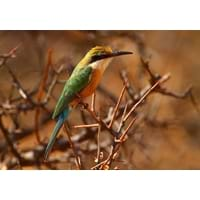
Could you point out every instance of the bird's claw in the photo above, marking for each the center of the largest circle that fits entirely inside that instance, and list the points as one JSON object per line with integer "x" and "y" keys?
{"x": 85, "y": 105}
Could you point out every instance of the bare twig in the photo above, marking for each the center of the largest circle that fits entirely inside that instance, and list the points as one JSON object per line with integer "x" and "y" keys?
{"x": 98, "y": 145}
{"x": 41, "y": 92}
{"x": 86, "y": 126}
{"x": 93, "y": 102}
{"x": 78, "y": 161}
{"x": 97, "y": 119}
{"x": 117, "y": 106}
{"x": 129, "y": 88}
{"x": 11, "y": 54}
{"x": 10, "y": 143}
{"x": 122, "y": 119}
{"x": 161, "y": 80}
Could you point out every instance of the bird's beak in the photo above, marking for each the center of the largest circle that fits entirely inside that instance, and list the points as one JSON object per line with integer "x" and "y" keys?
{"x": 113, "y": 54}
{"x": 120, "y": 53}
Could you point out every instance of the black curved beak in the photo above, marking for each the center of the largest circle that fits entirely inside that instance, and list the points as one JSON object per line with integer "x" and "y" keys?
{"x": 110, "y": 55}
{"x": 120, "y": 53}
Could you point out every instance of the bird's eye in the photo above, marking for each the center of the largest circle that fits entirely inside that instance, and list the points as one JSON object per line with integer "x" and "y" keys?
{"x": 94, "y": 58}
{"x": 98, "y": 56}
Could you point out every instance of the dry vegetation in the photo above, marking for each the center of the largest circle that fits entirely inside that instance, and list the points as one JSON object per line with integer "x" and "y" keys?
{"x": 144, "y": 115}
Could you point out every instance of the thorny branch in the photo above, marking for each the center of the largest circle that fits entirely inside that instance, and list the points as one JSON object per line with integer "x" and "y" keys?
{"x": 120, "y": 122}
{"x": 11, "y": 54}
{"x": 40, "y": 93}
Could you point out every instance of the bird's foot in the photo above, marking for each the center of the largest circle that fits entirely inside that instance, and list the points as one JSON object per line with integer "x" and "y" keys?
{"x": 83, "y": 104}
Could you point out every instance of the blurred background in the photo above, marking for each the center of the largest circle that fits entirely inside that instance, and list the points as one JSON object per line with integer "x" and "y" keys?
{"x": 171, "y": 140}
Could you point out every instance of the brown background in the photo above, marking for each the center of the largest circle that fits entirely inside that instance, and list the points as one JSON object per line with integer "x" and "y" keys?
{"x": 175, "y": 146}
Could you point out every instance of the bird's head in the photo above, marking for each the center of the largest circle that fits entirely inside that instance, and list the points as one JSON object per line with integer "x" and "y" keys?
{"x": 101, "y": 56}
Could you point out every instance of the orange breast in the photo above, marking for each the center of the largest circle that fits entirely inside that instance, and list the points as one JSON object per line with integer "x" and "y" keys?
{"x": 91, "y": 87}
{"x": 94, "y": 82}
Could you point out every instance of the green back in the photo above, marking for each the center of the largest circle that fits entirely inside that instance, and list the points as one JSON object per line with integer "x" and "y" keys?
{"x": 77, "y": 81}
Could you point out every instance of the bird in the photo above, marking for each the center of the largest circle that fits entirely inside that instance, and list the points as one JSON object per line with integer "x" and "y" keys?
{"x": 82, "y": 83}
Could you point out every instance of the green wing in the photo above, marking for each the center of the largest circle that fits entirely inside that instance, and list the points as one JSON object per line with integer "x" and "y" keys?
{"x": 77, "y": 81}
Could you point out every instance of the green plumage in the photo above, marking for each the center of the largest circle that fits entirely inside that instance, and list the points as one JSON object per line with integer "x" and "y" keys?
{"x": 77, "y": 81}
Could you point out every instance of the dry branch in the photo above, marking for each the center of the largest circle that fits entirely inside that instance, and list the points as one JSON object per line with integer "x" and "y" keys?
{"x": 41, "y": 91}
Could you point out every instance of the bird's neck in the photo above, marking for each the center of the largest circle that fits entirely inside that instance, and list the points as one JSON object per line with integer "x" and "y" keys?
{"x": 101, "y": 64}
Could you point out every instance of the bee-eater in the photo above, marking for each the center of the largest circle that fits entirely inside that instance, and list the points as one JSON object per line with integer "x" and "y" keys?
{"x": 82, "y": 83}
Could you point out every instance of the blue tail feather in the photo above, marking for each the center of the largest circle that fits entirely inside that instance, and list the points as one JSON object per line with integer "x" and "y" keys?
{"x": 61, "y": 119}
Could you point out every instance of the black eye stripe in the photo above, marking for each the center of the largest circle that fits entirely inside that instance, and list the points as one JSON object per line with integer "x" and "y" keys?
{"x": 94, "y": 58}
{"x": 98, "y": 57}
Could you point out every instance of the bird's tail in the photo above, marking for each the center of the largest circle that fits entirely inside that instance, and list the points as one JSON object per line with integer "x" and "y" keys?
{"x": 61, "y": 119}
